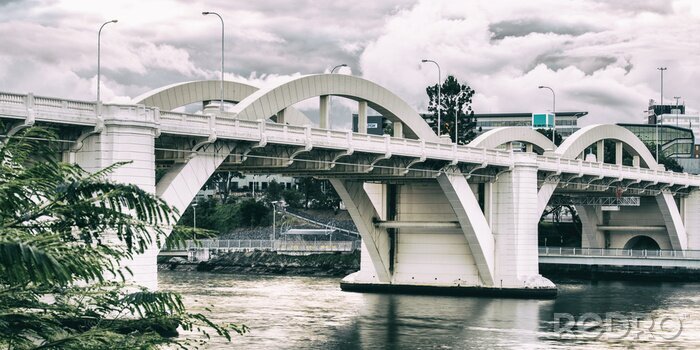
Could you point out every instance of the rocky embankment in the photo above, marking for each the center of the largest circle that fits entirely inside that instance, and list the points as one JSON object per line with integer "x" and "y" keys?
{"x": 271, "y": 263}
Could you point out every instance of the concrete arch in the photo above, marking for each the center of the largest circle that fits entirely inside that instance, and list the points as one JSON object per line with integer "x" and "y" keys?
{"x": 177, "y": 95}
{"x": 587, "y": 136}
{"x": 496, "y": 137}
{"x": 267, "y": 102}
{"x": 642, "y": 242}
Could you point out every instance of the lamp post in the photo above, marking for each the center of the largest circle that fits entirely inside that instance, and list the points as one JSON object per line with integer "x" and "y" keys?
{"x": 656, "y": 119}
{"x": 99, "y": 36}
{"x": 194, "y": 220}
{"x": 677, "y": 98}
{"x": 221, "y": 106}
{"x": 554, "y": 111}
{"x": 274, "y": 210}
{"x": 439, "y": 107}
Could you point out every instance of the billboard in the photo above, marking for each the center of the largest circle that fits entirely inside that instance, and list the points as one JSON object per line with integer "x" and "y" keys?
{"x": 542, "y": 120}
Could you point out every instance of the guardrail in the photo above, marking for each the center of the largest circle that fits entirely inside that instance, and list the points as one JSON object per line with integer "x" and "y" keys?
{"x": 278, "y": 245}
{"x": 620, "y": 253}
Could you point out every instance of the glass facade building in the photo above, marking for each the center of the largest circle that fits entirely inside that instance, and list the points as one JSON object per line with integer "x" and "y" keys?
{"x": 675, "y": 142}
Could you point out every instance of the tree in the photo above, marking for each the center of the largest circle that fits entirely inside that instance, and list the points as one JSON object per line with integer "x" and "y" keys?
{"x": 548, "y": 133}
{"x": 56, "y": 289}
{"x": 455, "y": 99}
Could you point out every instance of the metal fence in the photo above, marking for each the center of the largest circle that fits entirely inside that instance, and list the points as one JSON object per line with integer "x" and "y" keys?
{"x": 622, "y": 253}
{"x": 230, "y": 245}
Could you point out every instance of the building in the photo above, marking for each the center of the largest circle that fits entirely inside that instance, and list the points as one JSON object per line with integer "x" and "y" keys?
{"x": 566, "y": 123}
{"x": 674, "y": 115}
{"x": 375, "y": 124}
{"x": 674, "y": 141}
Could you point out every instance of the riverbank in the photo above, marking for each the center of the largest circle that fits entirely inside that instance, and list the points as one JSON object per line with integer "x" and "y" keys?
{"x": 270, "y": 263}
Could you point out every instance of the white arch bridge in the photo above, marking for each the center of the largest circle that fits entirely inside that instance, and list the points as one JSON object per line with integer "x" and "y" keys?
{"x": 431, "y": 214}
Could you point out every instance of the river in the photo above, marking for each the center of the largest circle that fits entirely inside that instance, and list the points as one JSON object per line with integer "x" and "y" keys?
{"x": 289, "y": 312}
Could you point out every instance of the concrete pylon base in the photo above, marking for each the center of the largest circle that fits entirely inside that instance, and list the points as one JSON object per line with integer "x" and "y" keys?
{"x": 535, "y": 287}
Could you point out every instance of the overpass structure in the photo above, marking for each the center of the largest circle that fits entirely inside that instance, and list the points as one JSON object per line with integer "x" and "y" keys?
{"x": 430, "y": 213}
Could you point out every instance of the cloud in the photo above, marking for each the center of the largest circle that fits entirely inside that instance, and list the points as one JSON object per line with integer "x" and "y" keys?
{"x": 599, "y": 56}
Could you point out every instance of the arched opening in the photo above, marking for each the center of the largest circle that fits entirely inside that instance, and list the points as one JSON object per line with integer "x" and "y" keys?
{"x": 642, "y": 243}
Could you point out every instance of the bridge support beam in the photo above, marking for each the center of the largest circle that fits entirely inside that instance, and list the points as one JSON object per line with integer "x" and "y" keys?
{"x": 672, "y": 219}
{"x": 362, "y": 117}
{"x": 324, "y": 112}
{"x": 375, "y": 240}
{"x": 472, "y": 222}
{"x": 590, "y": 217}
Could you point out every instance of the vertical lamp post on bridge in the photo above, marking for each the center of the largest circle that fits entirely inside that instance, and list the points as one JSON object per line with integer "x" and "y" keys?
{"x": 439, "y": 107}
{"x": 274, "y": 222}
{"x": 99, "y": 38}
{"x": 194, "y": 221}
{"x": 221, "y": 106}
{"x": 554, "y": 111}
{"x": 656, "y": 118}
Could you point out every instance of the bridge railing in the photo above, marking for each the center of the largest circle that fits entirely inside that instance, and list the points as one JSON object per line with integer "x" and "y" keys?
{"x": 621, "y": 253}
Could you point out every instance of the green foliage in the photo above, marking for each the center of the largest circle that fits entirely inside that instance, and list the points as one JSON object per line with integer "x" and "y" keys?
{"x": 56, "y": 284}
{"x": 456, "y": 100}
{"x": 274, "y": 191}
{"x": 548, "y": 133}
{"x": 293, "y": 198}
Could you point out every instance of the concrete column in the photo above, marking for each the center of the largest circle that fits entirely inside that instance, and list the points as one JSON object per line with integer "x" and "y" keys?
{"x": 280, "y": 116}
{"x": 128, "y": 135}
{"x": 324, "y": 112}
{"x": 618, "y": 153}
{"x": 514, "y": 227}
{"x": 362, "y": 117}
{"x": 635, "y": 161}
{"x": 691, "y": 208}
{"x": 398, "y": 129}
{"x": 509, "y": 146}
{"x": 528, "y": 148}
{"x": 600, "y": 151}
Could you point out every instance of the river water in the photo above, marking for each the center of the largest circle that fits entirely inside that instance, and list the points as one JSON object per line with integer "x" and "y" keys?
{"x": 285, "y": 312}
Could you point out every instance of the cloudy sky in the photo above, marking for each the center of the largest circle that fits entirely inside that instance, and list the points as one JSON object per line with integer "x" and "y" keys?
{"x": 600, "y": 56}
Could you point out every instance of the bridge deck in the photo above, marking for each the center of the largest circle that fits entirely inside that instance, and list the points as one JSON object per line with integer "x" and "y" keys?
{"x": 33, "y": 108}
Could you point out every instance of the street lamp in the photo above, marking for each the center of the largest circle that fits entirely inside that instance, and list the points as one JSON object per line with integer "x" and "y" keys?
{"x": 274, "y": 210}
{"x": 194, "y": 221}
{"x": 439, "y": 107}
{"x": 99, "y": 36}
{"x": 221, "y": 106}
{"x": 656, "y": 119}
{"x": 338, "y": 66}
{"x": 554, "y": 110}
{"x": 677, "y": 98}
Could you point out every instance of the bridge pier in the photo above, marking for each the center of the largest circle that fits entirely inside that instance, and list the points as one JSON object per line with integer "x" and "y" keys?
{"x": 474, "y": 256}
{"x": 128, "y": 136}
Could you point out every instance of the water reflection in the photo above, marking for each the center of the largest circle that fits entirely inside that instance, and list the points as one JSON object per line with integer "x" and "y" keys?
{"x": 305, "y": 312}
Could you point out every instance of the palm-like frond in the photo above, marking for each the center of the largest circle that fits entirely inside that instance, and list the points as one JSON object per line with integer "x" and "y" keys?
{"x": 55, "y": 223}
